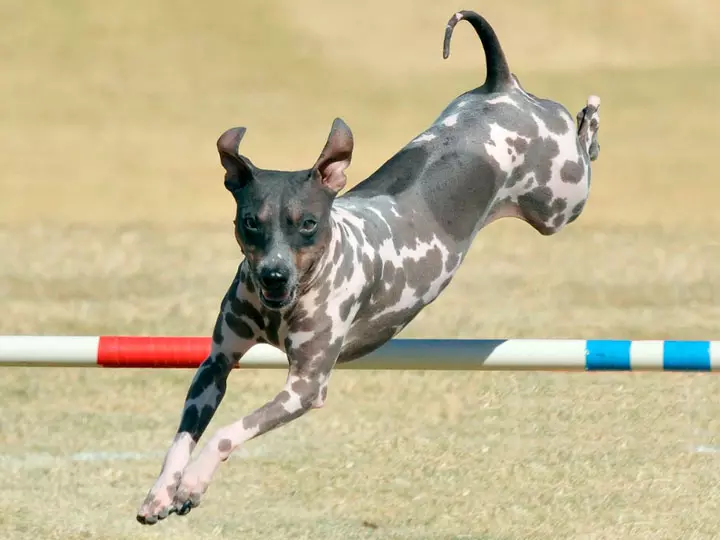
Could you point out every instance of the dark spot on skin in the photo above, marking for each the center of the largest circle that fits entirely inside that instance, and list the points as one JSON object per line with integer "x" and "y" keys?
{"x": 356, "y": 233}
{"x": 452, "y": 262}
{"x": 269, "y": 415}
{"x": 571, "y": 172}
{"x": 297, "y": 314}
{"x": 238, "y": 326}
{"x": 190, "y": 421}
{"x": 217, "y": 336}
{"x": 232, "y": 291}
{"x": 367, "y": 268}
{"x": 319, "y": 346}
{"x": 422, "y": 272}
{"x": 324, "y": 275}
{"x": 345, "y": 270}
{"x": 558, "y": 221}
{"x": 324, "y": 393}
{"x": 391, "y": 294}
{"x": 243, "y": 307}
{"x": 557, "y": 123}
{"x": 519, "y": 144}
{"x": 272, "y": 329}
{"x": 456, "y": 202}
{"x": 346, "y": 306}
{"x": 301, "y": 387}
{"x": 538, "y": 160}
{"x": 535, "y": 204}
{"x": 288, "y": 343}
{"x": 225, "y": 445}
{"x": 210, "y": 372}
{"x": 552, "y": 114}
{"x": 323, "y": 292}
{"x": 559, "y": 205}
{"x": 388, "y": 271}
{"x": 372, "y": 339}
{"x": 213, "y": 371}
{"x": 250, "y": 286}
{"x": 576, "y": 211}
{"x": 305, "y": 324}
{"x": 206, "y": 415}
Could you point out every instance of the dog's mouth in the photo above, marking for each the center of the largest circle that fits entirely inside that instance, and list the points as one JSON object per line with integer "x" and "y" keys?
{"x": 277, "y": 299}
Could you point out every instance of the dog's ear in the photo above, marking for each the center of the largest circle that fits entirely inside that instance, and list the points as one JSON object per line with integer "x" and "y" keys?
{"x": 335, "y": 157}
{"x": 238, "y": 169}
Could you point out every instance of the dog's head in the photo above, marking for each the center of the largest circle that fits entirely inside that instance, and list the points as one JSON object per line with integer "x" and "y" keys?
{"x": 282, "y": 223}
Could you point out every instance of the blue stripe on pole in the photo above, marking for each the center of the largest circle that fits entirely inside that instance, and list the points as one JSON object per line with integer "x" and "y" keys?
{"x": 607, "y": 355}
{"x": 686, "y": 355}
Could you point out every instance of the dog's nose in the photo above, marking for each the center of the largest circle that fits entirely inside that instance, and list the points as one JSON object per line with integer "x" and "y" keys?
{"x": 274, "y": 278}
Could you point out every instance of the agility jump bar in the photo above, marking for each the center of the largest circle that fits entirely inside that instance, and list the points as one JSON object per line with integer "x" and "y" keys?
{"x": 397, "y": 354}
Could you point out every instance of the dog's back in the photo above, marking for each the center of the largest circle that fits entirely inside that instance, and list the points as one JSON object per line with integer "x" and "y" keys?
{"x": 495, "y": 151}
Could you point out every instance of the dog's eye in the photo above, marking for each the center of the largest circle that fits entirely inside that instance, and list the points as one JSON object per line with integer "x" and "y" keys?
{"x": 308, "y": 226}
{"x": 250, "y": 223}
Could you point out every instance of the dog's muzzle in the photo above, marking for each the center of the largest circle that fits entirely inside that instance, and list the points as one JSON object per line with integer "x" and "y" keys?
{"x": 276, "y": 290}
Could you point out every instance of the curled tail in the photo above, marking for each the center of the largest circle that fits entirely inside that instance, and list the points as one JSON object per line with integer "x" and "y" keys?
{"x": 498, "y": 73}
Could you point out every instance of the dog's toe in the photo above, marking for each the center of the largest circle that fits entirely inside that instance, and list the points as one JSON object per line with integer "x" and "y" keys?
{"x": 153, "y": 510}
{"x": 147, "y": 520}
{"x": 185, "y": 508}
{"x": 186, "y": 501}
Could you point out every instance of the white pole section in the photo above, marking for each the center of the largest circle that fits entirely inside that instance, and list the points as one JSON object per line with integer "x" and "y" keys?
{"x": 59, "y": 351}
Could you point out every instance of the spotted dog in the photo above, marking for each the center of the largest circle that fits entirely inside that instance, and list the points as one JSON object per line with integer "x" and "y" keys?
{"x": 329, "y": 279}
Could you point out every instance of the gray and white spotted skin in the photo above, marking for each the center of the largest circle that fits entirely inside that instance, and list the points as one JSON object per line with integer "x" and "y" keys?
{"x": 329, "y": 279}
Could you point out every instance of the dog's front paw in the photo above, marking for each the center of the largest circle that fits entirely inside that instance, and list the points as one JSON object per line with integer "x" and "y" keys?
{"x": 159, "y": 502}
{"x": 192, "y": 486}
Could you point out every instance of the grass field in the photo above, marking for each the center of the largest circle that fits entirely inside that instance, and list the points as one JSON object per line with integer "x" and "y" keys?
{"x": 113, "y": 219}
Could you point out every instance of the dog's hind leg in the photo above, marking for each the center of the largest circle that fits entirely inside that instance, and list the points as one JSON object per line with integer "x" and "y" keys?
{"x": 588, "y": 121}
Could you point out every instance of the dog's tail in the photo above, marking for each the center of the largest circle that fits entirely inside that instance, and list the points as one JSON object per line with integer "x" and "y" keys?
{"x": 498, "y": 73}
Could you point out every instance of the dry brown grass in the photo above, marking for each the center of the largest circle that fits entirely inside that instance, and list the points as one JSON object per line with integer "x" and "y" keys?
{"x": 113, "y": 219}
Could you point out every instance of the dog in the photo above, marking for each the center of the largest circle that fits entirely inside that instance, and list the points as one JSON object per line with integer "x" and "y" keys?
{"x": 329, "y": 279}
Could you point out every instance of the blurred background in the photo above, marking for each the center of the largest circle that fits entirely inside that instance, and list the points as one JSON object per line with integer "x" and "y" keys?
{"x": 114, "y": 219}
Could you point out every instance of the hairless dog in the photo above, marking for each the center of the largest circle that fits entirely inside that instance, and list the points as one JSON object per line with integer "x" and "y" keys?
{"x": 328, "y": 279}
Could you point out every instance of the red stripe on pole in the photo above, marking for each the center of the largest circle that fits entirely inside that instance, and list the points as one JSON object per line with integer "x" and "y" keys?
{"x": 152, "y": 352}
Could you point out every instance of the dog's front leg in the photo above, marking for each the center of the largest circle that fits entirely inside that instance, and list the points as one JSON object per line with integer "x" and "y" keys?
{"x": 305, "y": 388}
{"x": 203, "y": 397}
